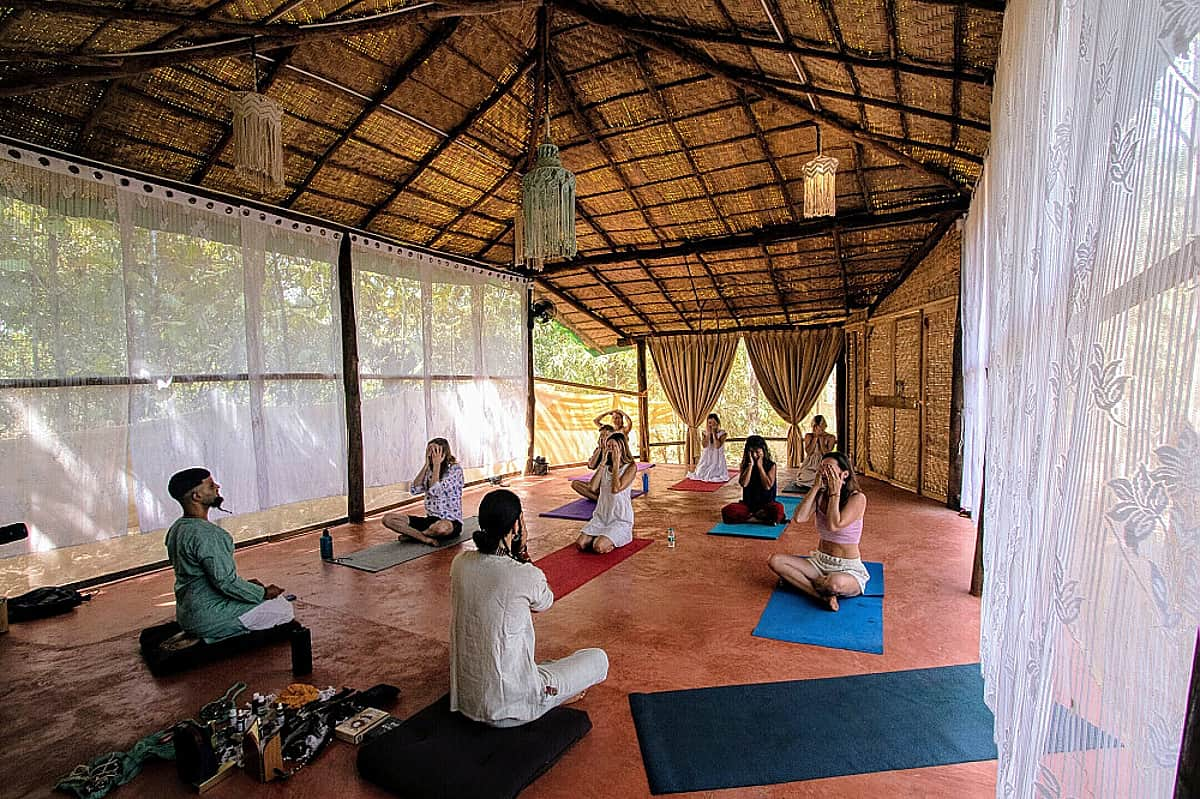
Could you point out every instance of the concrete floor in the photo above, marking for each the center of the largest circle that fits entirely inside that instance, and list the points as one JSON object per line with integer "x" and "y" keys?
{"x": 75, "y": 687}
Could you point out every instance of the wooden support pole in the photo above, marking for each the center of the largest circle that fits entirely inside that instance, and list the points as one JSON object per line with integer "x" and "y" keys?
{"x": 643, "y": 404}
{"x": 977, "y": 571}
{"x": 355, "y": 483}
{"x": 1187, "y": 775}
{"x": 531, "y": 397}
{"x": 954, "y": 477}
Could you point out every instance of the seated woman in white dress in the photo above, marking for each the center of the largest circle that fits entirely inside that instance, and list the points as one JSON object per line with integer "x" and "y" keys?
{"x": 712, "y": 467}
{"x": 817, "y": 445}
{"x": 611, "y": 525}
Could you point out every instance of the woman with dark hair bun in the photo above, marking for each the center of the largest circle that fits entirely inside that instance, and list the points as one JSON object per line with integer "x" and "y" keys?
{"x": 494, "y": 592}
{"x": 835, "y": 568}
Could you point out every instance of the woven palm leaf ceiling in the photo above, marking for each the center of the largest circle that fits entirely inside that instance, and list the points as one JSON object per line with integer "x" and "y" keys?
{"x": 686, "y": 123}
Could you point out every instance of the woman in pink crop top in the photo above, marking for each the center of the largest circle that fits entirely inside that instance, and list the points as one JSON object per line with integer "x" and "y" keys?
{"x": 835, "y": 568}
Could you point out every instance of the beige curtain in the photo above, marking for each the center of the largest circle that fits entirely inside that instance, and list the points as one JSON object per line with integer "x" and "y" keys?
{"x": 792, "y": 366}
{"x": 692, "y": 370}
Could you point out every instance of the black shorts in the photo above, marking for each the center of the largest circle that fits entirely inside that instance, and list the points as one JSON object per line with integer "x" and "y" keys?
{"x": 423, "y": 523}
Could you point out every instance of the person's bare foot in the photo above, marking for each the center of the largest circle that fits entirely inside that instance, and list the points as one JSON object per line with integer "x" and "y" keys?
{"x": 832, "y": 601}
{"x": 413, "y": 535}
{"x": 576, "y": 698}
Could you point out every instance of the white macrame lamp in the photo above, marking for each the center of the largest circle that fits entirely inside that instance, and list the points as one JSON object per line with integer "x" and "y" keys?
{"x": 257, "y": 137}
{"x": 820, "y": 184}
{"x": 545, "y": 225}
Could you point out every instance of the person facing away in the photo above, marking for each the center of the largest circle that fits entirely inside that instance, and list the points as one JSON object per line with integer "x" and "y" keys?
{"x": 211, "y": 601}
{"x": 817, "y": 444}
{"x": 494, "y": 676}
{"x": 583, "y": 487}
{"x": 441, "y": 480}
{"x": 712, "y": 467}
{"x": 611, "y": 525}
{"x": 757, "y": 478}
{"x": 835, "y": 568}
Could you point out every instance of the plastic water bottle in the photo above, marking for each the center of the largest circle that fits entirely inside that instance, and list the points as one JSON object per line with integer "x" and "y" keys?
{"x": 326, "y": 545}
{"x": 670, "y": 538}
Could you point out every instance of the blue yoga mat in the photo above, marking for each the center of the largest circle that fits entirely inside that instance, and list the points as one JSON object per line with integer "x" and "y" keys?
{"x": 798, "y": 618}
{"x": 740, "y": 735}
{"x": 758, "y": 530}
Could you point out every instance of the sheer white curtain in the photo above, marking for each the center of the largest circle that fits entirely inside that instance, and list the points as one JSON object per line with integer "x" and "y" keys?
{"x": 64, "y": 407}
{"x": 1090, "y": 265}
{"x": 976, "y": 255}
{"x": 441, "y": 353}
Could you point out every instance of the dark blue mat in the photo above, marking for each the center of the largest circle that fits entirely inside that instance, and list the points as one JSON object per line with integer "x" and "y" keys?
{"x": 740, "y": 735}
{"x": 858, "y": 625}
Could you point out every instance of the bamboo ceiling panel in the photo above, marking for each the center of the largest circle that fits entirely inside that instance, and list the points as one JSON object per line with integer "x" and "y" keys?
{"x": 688, "y": 125}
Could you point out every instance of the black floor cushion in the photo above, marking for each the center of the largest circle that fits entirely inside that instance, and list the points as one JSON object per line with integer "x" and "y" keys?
{"x": 437, "y": 754}
{"x": 167, "y": 649}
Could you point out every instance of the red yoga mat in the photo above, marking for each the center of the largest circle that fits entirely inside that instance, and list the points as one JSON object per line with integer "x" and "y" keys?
{"x": 568, "y": 568}
{"x": 688, "y": 484}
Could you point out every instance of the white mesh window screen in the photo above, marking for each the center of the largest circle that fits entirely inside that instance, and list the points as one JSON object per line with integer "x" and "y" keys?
{"x": 1081, "y": 270}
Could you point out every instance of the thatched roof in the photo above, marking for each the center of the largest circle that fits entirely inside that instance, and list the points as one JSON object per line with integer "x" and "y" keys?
{"x": 686, "y": 123}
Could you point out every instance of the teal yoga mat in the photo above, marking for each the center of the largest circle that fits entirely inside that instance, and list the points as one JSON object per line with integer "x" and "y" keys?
{"x": 765, "y": 531}
{"x": 763, "y": 734}
{"x": 393, "y": 553}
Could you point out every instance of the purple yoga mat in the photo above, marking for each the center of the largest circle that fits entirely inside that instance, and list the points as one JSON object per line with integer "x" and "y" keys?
{"x": 580, "y": 509}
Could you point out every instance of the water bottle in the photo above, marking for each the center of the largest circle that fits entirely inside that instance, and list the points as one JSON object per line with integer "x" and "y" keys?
{"x": 670, "y": 538}
{"x": 326, "y": 545}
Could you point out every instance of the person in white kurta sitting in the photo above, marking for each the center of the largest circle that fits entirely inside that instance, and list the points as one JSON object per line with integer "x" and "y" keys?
{"x": 712, "y": 467}
{"x": 494, "y": 592}
{"x": 611, "y": 525}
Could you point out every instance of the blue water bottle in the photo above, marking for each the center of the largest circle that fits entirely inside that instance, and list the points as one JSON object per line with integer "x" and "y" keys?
{"x": 326, "y": 545}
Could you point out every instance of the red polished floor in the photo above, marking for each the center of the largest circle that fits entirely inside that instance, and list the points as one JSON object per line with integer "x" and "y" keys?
{"x": 75, "y": 687}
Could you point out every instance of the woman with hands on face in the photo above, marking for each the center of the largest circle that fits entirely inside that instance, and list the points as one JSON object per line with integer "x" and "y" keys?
{"x": 712, "y": 467}
{"x": 441, "y": 480}
{"x": 757, "y": 478}
{"x": 835, "y": 568}
{"x": 584, "y": 487}
{"x": 611, "y": 525}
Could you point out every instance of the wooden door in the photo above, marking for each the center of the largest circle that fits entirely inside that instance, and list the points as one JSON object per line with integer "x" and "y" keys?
{"x": 881, "y": 417}
{"x": 906, "y": 392}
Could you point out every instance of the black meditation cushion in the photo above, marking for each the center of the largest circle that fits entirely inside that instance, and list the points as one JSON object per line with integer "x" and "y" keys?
{"x": 166, "y": 648}
{"x": 437, "y": 754}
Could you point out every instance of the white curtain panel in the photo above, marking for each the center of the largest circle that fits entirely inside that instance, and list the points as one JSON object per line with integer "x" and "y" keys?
{"x": 441, "y": 354}
{"x": 976, "y": 254}
{"x": 1084, "y": 243}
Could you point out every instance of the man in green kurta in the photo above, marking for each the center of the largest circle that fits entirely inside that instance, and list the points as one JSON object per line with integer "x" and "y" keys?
{"x": 211, "y": 601}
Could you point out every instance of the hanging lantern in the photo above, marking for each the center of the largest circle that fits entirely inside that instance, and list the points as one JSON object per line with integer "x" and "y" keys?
{"x": 257, "y": 137}
{"x": 545, "y": 226}
{"x": 820, "y": 184}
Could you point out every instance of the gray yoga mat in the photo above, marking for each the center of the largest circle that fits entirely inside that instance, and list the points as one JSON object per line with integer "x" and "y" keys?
{"x": 389, "y": 554}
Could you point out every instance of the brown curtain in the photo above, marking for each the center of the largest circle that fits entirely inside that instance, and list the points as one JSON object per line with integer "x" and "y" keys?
{"x": 692, "y": 370}
{"x": 792, "y": 367}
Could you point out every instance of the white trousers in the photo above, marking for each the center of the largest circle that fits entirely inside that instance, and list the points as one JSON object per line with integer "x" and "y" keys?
{"x": 268, "y": 614}
{"x": 563, "y": 679}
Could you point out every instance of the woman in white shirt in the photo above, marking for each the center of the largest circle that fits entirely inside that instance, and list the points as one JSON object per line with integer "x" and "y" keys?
{"x": 712, "y": 467}
{"x": 494, "y": 677}
{"x": 611, "y": 525}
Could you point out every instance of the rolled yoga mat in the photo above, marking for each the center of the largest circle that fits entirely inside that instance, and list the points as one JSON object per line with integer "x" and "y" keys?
{"x": 392, "y": 553}
{"x": 768, "y": 733}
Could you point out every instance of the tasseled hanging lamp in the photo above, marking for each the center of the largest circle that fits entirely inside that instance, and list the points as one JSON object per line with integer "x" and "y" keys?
{"x": 257, "y": 138}
{"x": 545, "y": 225}
{"x": 820, "y": 184}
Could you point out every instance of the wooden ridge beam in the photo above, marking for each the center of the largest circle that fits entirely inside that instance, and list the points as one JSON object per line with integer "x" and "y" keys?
{"x": 134, "y": 63}
{"x": 771, "y": 234}
{"x": 440, "y": 34}
{"x": 474, "y": 116}
{"x": 623, "y": 26}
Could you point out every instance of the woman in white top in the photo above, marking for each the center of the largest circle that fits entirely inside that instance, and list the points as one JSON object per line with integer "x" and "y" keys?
{"x": 611, "y": 525}
{"x": 712, "y": 467}
{"x": 817, "y": 445}
{"x": 494, "y": 592}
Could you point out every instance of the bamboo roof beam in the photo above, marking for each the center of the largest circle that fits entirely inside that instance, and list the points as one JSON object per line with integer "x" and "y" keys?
{"x": 474, "y": 116}
{"x": 440, "y": 34}
{"x": 623, "y": 26}
{"x": 915, "y": 259}
{"x": 889, "y": 16}
{"x": 774, "y": 233}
